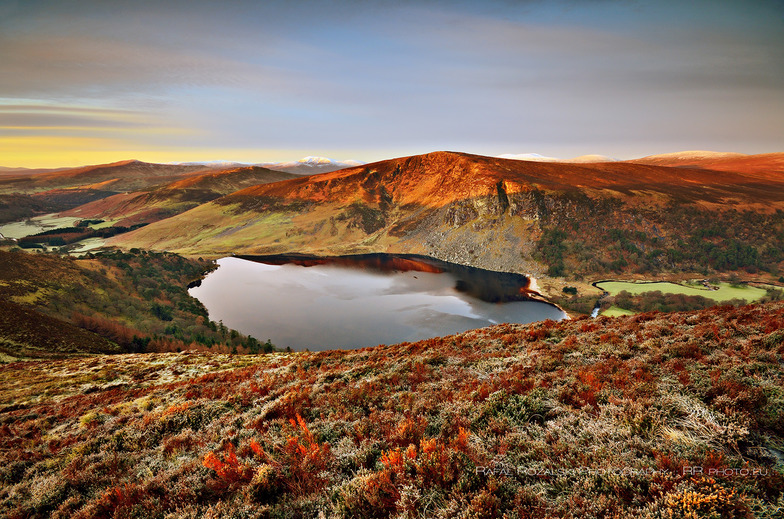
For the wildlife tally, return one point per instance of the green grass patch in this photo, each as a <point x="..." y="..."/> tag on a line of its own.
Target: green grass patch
<point x="88" y="244"/>
<point x="725" y="291"/>
<point x="36" y="225"/>
<point x="104" y="224"/>
<point x="616" y="311"/>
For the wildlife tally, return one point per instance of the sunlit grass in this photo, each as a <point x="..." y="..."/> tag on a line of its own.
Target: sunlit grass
<point x="615" y="311"/>
<point x="36" y="224"/>
<point x="725" y="291"/>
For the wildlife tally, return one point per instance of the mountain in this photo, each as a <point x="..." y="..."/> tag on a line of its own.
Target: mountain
<point x="217" y="164"/>
<point x="167" y="200"/>
<point x="312" y="165"/>
<point x="690" y="157"/>
<point x="528" y="156"/>
<point x="560" y="219"/>
<point x="590" y="158"/>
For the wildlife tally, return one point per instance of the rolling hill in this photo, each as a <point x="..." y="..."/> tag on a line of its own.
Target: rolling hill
<point x="767" y="166"/>
<point x="135" y="191"/>
<point x="564" y="220"/>
<point x="173" y="198"/>
<point x="26" y="193"/>
<point x="128" y="175"/>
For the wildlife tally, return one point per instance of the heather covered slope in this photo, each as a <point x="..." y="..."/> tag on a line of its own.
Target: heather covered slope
<point x="564" y="220"/>
<point x="766" y="166"/>
<point x="27" y="333"/>
<point x="585" y="418"/>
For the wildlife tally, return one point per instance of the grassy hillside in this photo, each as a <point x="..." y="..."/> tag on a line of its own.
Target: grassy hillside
<point x="176" y="197"/>
<point x="112" y="302"/>
<point x="651" y="416"/>
<point x="572" y="221"/>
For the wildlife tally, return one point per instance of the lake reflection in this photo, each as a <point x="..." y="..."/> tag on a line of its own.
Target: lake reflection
<point x="351" y="302"/>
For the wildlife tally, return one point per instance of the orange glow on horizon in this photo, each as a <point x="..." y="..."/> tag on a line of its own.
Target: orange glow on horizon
<point x="64" y="152"/>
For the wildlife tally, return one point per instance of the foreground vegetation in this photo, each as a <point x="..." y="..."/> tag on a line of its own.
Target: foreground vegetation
<point x="655" y="415"/>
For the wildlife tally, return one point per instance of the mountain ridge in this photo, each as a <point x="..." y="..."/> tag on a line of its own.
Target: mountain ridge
<point x="493" y="213"/>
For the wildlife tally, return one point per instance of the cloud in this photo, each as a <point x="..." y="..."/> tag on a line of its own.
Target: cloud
<point x="79" y="65"/>
<point x="402" y="75"/>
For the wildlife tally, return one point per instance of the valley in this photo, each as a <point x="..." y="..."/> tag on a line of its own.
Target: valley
<point x="483" y="259"/>
<point x="567" y="224"/>
<point x="670" y="217"/>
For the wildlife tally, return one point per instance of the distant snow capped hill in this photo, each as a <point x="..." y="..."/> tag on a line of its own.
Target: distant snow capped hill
<point x="587" y="159"/>
<point x="527" y="156"/>
<point x="541" y="158"/>
<point x="315" y="161"/>
<point x="304" y="166"/>
<point x="216" y="164"/>
<point x="310" y="165"/>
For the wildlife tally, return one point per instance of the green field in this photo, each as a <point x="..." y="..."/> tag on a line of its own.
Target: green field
<point x="53" y="221"/>
<point x="615" y="311"/>
<point x="87" y="245"/>
<point x="724" y="292"/>
<point x="103" y="225"/>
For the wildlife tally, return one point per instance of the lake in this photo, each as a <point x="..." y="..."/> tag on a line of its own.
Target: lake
<point x="317" y="303"/>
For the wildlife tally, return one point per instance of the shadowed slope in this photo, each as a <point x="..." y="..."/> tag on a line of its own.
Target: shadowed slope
<point x="25" y="332"/>
<point x="119" y="176"/>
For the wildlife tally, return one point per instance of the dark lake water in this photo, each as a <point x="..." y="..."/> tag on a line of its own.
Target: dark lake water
<point x="307" y="302"/>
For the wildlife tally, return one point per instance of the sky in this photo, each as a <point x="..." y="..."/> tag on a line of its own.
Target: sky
<point x="96" y="81"/>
